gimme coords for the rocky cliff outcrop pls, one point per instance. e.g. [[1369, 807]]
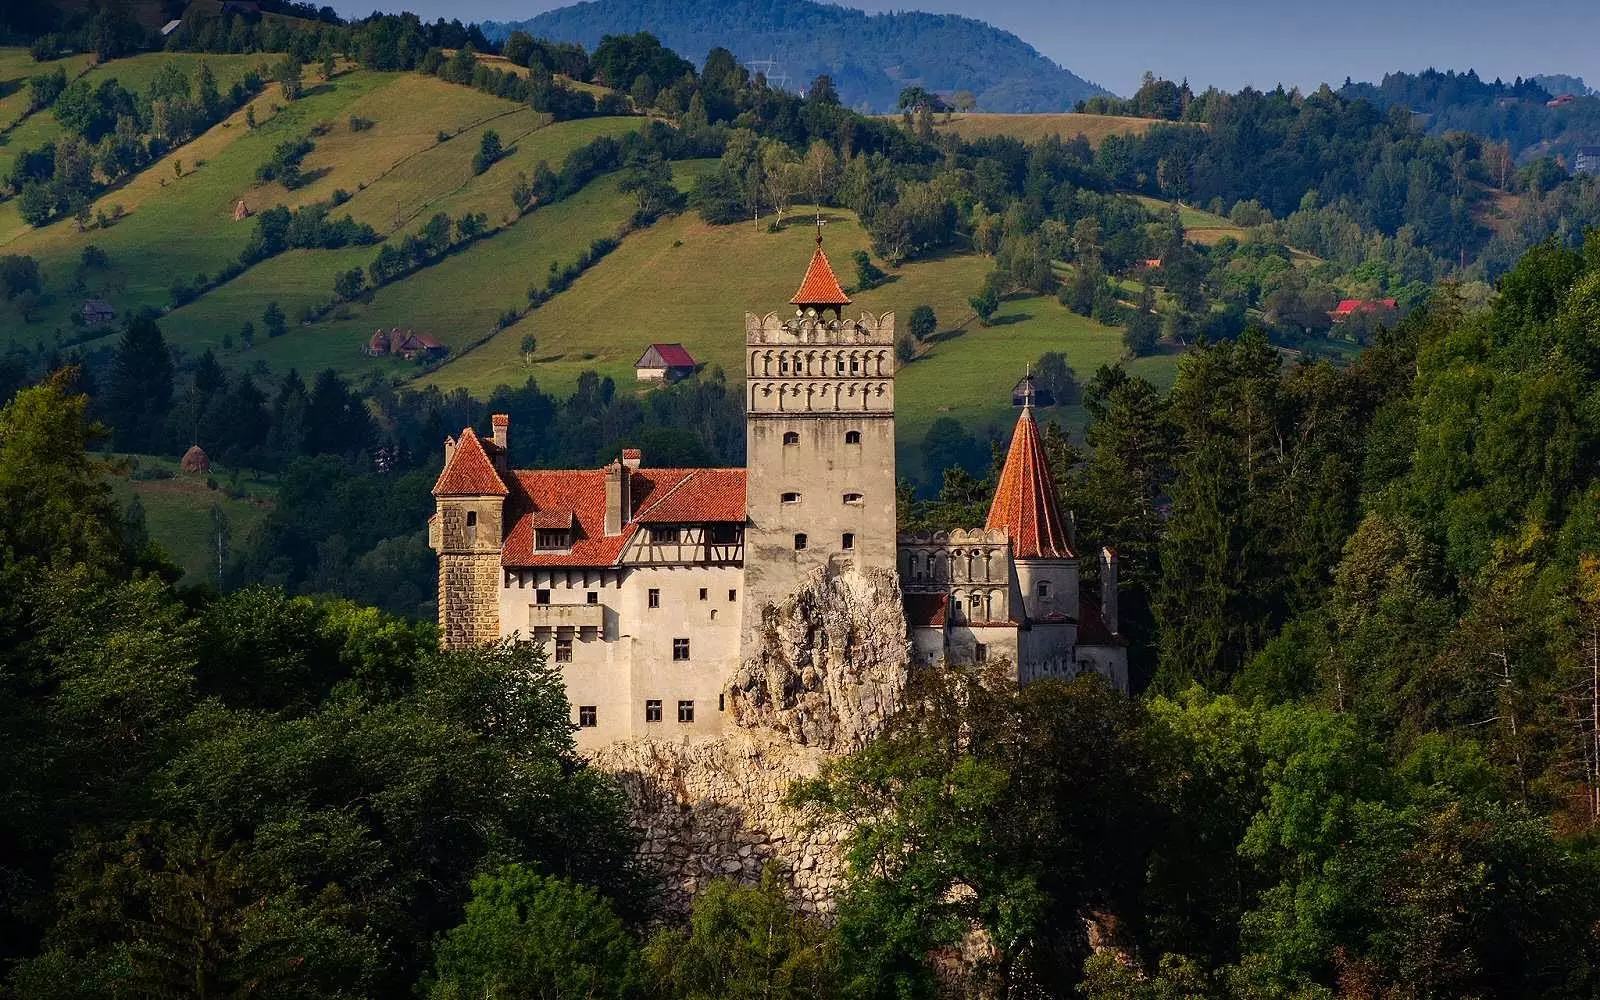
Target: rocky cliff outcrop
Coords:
[[821, 674], [828, 666]]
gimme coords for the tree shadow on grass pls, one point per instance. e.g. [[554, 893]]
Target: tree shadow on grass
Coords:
[[1010, 318]]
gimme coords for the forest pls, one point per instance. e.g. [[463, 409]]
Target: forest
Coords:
[[1365, 764], [1361, 589]]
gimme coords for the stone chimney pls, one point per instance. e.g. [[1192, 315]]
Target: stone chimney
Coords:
[[449, 448], [619, 497], [501, 424], [1108, 589], [632, 458]]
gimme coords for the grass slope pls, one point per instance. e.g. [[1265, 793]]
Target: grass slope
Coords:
[[176, 226], [1032, 128], [177, 511], [684, 281], [182, 226], [134, 73], [456, 300]]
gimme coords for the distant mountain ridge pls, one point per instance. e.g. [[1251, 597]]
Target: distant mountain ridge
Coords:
[[871, 57]]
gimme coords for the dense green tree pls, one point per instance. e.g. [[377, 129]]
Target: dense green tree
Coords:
[[140, 393], [1017, 811], [745, 942], [530, 936]]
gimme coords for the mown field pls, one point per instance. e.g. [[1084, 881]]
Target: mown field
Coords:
[[178, 510], [1032, 128]]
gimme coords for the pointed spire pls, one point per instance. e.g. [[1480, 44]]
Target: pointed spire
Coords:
[[1025, 501], [820, 289], [469, 471]]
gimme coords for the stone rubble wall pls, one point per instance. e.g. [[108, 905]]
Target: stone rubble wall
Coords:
[[827, 669]]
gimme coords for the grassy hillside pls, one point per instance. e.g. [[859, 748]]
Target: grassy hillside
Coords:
[[688, 282], [455, 300], [178, 510], [1032, 128], [399, 173], [134, 73]]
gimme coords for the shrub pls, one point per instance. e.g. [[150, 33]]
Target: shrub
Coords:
[[360, 124]]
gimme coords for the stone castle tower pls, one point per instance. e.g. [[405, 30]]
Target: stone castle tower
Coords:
[[819, 433], [468, 531]]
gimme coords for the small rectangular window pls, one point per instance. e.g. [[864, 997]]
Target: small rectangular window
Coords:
[[563, 650], [722, 703], [685, 711], [799, 541], [588, 718], [852, 437], [680, 649], [655, 598], [652, 710], [553, 539], [703, 593], [541, 597], [724, 534], [733, 595], [982, 652], [791, 437], [592, 597], [667, 535], [849, 540], [790, 497]]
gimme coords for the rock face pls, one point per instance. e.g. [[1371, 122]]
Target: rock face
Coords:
[[828, 666], [827, 670]]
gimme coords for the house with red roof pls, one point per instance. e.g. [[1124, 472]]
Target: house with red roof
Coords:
[[1351, 307], [664, 363], [653, 589]]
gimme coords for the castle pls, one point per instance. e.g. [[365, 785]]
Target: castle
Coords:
[[646, 586]]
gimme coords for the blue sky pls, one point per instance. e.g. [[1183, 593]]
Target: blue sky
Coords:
[[1230, 44]]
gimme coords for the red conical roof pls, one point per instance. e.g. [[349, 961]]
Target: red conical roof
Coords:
[[820, 288], [1025, 501], [470, 472]]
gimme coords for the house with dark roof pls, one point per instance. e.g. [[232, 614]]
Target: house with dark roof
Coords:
[[664, 363], [98, 312], [407, 344], [651, 588]]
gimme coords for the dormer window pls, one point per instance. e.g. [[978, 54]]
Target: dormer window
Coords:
[[554, 538], [852, 498], [852, 437], [790, 498], [791, 437]]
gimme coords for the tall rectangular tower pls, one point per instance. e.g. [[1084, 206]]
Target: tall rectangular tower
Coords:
[[819, 433]]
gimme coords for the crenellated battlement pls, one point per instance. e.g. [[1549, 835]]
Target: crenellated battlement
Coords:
[[817, 329]]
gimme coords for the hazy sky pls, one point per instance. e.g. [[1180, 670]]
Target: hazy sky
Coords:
[[1230, 44]]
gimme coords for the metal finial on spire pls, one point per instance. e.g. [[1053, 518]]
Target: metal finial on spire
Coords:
[[819, 227]]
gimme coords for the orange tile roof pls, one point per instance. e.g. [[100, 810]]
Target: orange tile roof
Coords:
[[820, 287], [659, 496], [697, 495], [1025, 501], [469, 471]]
